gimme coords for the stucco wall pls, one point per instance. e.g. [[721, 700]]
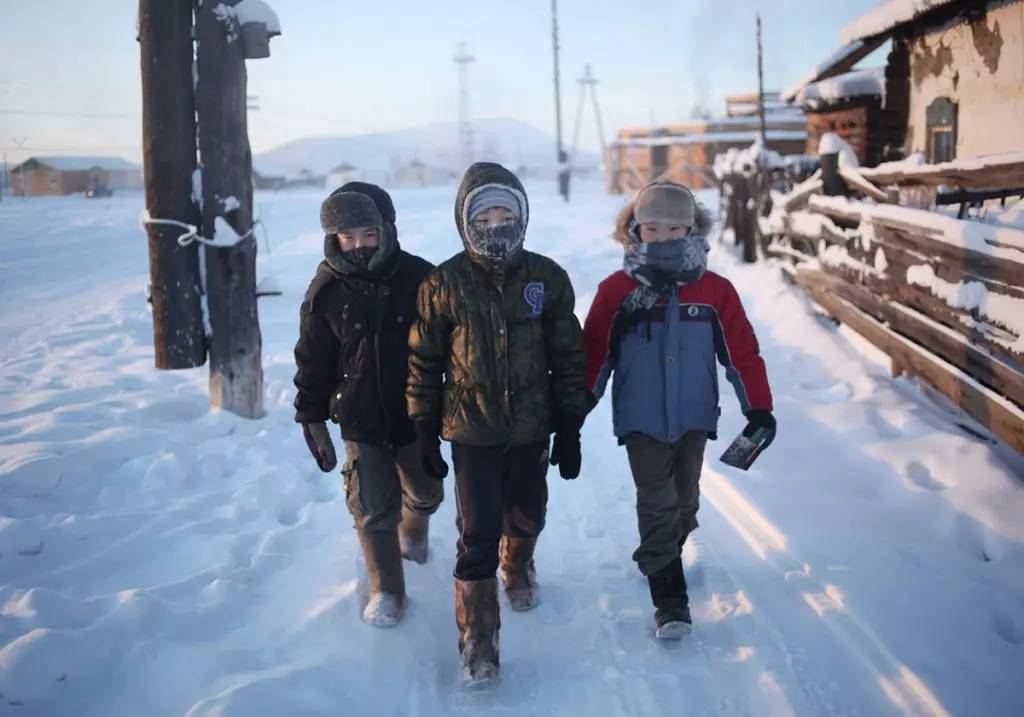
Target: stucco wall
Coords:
[[978, 64]]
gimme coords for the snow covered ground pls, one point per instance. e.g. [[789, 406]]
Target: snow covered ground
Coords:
[[159, 560]]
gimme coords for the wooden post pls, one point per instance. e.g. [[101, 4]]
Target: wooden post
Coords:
[[833, 184], [236, 371], [169, 159]]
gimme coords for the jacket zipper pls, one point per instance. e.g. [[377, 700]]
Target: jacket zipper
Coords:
[[380, 309]]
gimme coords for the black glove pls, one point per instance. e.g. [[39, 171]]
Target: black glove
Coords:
[[318, 439], [758, 418], [428, 448], [566, 452]]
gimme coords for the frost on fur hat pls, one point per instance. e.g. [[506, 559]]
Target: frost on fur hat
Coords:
[[666, 202], [490, 196], [345, 211]]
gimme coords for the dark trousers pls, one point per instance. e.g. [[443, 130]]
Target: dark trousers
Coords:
[[498, 491], [379, 481], [667, 477]]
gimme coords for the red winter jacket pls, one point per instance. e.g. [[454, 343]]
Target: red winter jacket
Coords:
[[663, 358]]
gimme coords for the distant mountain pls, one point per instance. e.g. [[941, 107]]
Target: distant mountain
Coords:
[[509, 141]]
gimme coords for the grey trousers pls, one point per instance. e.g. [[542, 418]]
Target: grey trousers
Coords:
[[379, 481], [667, 480]]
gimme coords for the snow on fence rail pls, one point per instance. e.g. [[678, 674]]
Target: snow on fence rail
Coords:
[[942, 296]]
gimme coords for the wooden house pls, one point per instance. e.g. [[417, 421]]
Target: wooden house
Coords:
[[952, 78], [57, 176], [342, 174], [686, 152], [849, 105]]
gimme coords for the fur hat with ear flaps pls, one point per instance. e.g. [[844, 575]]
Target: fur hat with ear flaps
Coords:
[[662, 201]]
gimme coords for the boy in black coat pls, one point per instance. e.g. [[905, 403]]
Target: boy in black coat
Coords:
[[352, 358]]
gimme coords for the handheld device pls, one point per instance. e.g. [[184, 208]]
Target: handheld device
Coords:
[[743, 451]]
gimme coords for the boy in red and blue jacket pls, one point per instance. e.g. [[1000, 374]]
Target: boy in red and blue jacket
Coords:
[[658, 325]]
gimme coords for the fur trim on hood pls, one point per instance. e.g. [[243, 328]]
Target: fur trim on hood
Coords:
[[703, 223]]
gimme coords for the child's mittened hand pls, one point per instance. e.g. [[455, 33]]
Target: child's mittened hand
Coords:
[[758, 418], [566, 452], [318, 440]]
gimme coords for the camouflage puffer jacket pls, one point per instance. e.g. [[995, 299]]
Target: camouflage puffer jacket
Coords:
[[497, 357]]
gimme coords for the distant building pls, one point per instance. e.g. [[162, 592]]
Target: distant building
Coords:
[[686, 152], [306, 178], [267, 180], [951, 80], [849, 105], [55, 176], [343, 173], [420, 174]]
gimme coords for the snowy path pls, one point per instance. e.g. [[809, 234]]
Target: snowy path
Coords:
[[159, 560]]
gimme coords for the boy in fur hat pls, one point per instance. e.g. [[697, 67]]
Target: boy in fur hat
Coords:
[[352, 360], [658, 324], [497, 366]]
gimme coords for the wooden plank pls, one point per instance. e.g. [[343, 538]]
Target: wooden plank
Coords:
[[995, 172], [975, 331], [987, 369], [979, 264], [989, 409]]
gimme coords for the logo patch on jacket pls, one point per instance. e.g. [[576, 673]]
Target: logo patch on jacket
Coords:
[[534, 295]]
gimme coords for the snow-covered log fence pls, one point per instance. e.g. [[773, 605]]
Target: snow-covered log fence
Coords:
[[942, 295]]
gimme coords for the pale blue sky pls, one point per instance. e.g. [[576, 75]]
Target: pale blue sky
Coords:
[[344, 67]]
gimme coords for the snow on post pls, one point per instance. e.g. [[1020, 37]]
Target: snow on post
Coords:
[[255, 20]]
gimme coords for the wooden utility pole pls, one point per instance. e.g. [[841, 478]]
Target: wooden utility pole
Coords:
[[236, 370], [760, 87], [169, 159], [563, 159]]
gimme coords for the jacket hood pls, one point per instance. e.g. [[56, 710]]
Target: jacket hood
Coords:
[[702, 224], [480, 175]]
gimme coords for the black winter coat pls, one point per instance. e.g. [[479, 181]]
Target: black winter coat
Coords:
[[352, 354]]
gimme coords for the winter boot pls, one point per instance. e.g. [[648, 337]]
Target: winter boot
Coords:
[[478, 619], [386, 577], [671, 602], [413, 535], [518, 573]]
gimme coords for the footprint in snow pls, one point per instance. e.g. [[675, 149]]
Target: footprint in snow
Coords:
[[919, 475], [1008, 626]]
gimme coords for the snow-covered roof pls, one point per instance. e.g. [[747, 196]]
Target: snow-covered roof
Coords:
[[778, 135], [853, 84], [886, 16], [343, 167], [84, 164]]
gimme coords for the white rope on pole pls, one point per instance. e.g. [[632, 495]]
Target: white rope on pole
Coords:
[[191, 234]]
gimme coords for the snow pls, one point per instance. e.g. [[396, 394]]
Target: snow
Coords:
[[258, 11], [916, 166], [745, 161], [852, 84], [885, 16], [837, 57], [975, 297], [1002, 242], [159, 559], [832, 143]]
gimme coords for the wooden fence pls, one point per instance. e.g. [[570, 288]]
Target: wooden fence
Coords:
[[941, 295]]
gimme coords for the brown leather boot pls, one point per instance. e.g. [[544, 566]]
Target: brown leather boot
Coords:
[[478, 618], [413, 535], [384, 570], [518, 573]]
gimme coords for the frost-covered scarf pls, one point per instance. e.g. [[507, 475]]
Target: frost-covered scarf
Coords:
[[662, 267]]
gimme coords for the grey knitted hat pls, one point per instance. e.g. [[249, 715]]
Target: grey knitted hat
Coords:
[[666, 202], [345, 211], [490, 196]]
